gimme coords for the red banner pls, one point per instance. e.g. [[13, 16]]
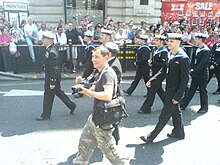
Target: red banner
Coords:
[[198, 13]]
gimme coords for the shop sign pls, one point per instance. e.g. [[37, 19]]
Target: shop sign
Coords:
[[15, 6]]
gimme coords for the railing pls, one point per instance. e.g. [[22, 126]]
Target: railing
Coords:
[[24, 64]]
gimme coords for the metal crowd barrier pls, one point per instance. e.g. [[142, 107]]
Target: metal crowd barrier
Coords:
[[24, 64]]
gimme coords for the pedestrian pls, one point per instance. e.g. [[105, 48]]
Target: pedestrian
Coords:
[[214, 64], [94, 135], [52, 85], [61, 42], [176, 82], [158, 66], [5, 56], [31, 36], [142, 68], [199, 74], [87, 61], [74, 37]]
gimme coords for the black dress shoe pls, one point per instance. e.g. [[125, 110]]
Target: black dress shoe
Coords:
[[146, 140], [202, 111], [41, 119], [216, 93], [144, 112], [72, 110], [78, 95], [128, 93], [171, 135], [182, 108]]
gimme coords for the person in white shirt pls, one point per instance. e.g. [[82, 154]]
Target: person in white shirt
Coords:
[[120, 37], [15, 27], [41, 31], [31, 36], [61, 41]]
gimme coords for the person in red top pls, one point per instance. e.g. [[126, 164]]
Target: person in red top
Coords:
[[5, 40], [210, 41]]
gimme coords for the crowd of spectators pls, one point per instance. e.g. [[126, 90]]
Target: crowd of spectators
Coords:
[[30, 32]]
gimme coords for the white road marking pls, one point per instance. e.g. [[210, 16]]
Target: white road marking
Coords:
[[20, 92]]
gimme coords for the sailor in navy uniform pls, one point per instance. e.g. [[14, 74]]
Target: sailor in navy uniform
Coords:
[[176, 82], [158, 64], [52, 79], [143, 68], [106, 36], [199, 74], [214, 64], [113, 61], [87, 61]]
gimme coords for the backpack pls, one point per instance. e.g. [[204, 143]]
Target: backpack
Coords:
[[112, 112]]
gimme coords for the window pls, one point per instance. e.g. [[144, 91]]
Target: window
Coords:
[[71, 3], [143, 2]]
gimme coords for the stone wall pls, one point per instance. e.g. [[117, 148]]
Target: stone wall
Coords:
[[121, 10], [49, 10]]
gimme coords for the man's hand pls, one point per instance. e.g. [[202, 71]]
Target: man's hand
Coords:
[[150, 62], [79, 79], [52, 87], [80, 64], [212, 67], [174, 101], [148, 84]]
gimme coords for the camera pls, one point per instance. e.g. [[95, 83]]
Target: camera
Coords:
[[87, 83], [76, 88]]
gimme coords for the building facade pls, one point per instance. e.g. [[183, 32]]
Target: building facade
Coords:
[[68, 10]]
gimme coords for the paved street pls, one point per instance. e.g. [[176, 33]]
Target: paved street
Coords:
[[24, 141]]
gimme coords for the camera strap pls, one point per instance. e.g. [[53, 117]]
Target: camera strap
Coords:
[[114, 95]]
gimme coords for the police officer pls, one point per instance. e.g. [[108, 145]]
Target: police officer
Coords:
[[199, 74], [94, 135], [214, 63], [176, 83], [87, 61], [143, 68], [52, 79], [158, 66]]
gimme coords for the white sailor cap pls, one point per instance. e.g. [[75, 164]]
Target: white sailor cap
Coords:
[[143, 37], [176, 23], [48, 35], [174, 36], [201, 35], [111, 46], [13, 31], [88, 34], [160, 37], [134, 27], [106, 31]]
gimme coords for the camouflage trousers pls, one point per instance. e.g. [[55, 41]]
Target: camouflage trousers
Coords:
[[92, 137]]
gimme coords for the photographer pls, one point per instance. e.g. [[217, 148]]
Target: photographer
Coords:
[[94, 135]]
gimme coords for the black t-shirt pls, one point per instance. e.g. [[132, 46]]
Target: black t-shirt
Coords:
[[73, 35], [108, 77]]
